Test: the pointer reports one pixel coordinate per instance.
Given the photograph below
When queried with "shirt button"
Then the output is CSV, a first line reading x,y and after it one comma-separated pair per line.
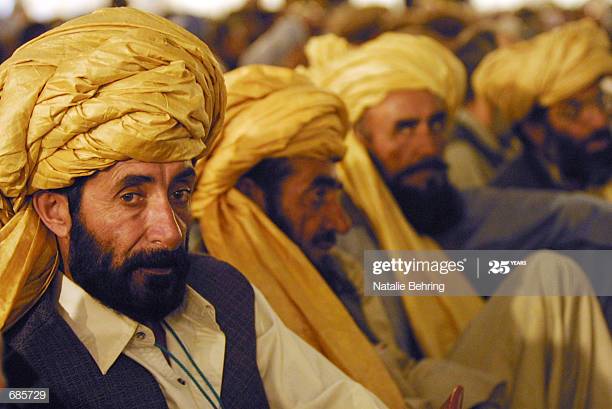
x,y
181,381
140,335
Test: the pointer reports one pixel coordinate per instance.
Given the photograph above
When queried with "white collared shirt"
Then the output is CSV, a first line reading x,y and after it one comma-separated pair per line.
x,y
294,374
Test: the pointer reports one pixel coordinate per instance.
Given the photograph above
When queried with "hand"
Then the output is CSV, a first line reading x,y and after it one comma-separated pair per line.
x,y
455,400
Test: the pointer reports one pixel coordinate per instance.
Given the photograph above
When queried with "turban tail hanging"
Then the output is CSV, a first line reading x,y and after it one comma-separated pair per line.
x,y
544,70
362,77
275,113
114,85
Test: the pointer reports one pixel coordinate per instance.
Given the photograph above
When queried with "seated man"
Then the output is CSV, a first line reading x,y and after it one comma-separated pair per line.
x,y
548,89
271,190
101,303
396,180
262,124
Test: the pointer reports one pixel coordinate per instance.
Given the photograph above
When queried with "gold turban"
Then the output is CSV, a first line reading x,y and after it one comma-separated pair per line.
x,y
362,77
543,70
274,112
114,85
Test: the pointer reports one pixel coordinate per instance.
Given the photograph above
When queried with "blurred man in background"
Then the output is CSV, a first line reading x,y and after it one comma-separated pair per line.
x,y
548,89
399,196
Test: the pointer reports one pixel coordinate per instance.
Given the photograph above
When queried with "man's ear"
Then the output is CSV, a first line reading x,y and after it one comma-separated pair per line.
x,y
53,210
249,188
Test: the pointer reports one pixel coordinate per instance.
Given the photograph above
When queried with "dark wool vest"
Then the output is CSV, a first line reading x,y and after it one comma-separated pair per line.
x,y
43,352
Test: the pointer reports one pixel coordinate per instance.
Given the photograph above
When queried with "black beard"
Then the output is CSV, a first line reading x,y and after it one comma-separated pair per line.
x,y
92,269
329,269
581,168
433,210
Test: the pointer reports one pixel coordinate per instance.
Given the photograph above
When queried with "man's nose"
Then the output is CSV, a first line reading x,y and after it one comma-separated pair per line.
x,y
163,226
337,218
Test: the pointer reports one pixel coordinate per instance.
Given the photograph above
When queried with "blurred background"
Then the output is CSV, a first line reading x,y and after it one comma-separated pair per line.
x,y
274,31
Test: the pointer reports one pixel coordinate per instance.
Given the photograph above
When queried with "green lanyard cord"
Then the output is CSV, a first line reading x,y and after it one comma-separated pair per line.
x,y
186,351
175,335
175,359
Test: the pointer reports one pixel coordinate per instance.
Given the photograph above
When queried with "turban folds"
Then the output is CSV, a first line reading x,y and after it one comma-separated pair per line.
x,y
363,76
274,112
543,70
114,85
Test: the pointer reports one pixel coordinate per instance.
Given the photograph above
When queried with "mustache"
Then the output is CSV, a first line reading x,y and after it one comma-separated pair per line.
x,y
433,163
328,236
157,259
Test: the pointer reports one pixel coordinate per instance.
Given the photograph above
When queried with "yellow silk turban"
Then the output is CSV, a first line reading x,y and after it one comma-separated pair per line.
x,y
114,85
363,76
544,70
274,112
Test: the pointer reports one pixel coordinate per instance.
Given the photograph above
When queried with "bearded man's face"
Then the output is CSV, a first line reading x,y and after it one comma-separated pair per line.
x,y
580,127
405,135
128,237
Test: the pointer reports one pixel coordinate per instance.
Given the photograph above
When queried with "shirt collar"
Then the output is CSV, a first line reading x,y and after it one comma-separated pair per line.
x,y
106,333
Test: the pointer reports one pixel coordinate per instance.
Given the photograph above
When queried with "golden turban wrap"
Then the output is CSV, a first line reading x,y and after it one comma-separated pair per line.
x,y
362,77
543,70
274,112
114,85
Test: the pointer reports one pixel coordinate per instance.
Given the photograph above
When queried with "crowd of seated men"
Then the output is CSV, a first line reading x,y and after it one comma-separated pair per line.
x,y
177,236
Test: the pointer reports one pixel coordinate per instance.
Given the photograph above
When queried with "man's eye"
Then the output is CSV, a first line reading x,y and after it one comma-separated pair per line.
x,y
182,195
131,197
437,126
437,123
319,197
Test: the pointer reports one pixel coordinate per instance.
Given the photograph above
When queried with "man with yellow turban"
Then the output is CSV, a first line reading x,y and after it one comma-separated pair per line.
x,y
101,119
401,91
548,89
276,121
